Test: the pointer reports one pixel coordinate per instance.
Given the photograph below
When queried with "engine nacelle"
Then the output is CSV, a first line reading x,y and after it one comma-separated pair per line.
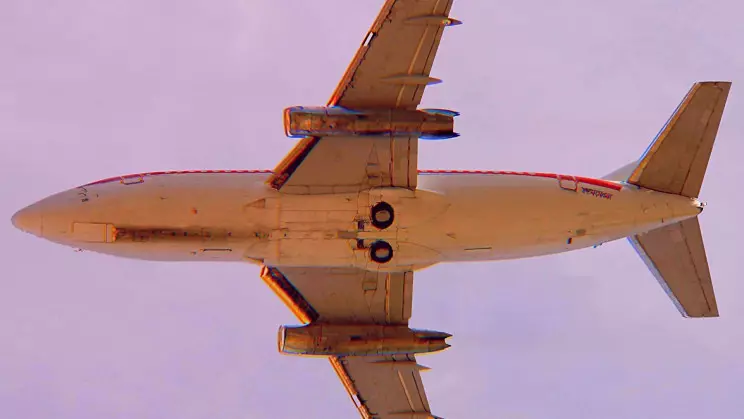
x,y
335,121
358,340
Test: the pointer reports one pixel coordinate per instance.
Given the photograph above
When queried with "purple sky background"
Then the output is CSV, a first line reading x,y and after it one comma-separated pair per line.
x,y
90,90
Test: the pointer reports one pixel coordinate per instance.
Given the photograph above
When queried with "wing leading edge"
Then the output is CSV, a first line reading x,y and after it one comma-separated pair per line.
x,y
392,66
383,386
389,71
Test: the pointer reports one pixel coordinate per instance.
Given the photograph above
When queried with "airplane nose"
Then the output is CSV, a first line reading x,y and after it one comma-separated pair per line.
x,y
28,220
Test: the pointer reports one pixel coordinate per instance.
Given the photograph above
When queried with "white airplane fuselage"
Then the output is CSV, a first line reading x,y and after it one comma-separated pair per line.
x,y
452,216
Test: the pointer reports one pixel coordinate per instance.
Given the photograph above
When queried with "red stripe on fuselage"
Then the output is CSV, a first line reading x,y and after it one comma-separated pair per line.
x,y
171,172
589,181
599,182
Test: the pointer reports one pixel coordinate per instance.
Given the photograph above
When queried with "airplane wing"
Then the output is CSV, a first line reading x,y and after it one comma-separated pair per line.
x,y
389,71
381,387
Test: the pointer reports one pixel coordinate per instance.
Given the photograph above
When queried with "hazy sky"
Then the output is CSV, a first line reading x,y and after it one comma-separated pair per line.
x,y
93,89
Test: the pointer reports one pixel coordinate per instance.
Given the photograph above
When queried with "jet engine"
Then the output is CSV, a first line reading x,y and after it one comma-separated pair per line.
x,y
358,340
334,121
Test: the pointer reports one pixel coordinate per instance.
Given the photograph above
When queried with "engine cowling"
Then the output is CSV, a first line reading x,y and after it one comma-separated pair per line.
x,y
358,340
334,121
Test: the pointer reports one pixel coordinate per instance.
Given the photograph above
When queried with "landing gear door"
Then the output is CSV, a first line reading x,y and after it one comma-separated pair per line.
x,y
94,232
313,228
410,208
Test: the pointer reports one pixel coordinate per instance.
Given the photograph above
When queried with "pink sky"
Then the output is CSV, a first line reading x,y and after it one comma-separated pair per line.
x,y
90,90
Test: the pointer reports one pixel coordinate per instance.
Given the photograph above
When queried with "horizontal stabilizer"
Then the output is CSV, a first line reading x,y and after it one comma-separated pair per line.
x,y
677,159
675,254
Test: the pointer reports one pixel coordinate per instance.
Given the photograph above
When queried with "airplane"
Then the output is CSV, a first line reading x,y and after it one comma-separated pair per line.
x,y
342,223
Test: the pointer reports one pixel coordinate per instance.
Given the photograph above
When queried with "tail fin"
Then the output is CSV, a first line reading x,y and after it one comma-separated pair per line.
x,y
622,174
677,159
675,163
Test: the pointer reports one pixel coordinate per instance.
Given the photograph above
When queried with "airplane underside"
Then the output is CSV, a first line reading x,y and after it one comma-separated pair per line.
x,y
452,217
346,218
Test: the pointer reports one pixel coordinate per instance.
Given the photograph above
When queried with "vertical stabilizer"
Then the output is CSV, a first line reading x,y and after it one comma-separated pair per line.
x,y
622,174
677,159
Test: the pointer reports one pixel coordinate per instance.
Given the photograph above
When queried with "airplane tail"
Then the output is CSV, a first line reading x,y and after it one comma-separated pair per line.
x,y
675,163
